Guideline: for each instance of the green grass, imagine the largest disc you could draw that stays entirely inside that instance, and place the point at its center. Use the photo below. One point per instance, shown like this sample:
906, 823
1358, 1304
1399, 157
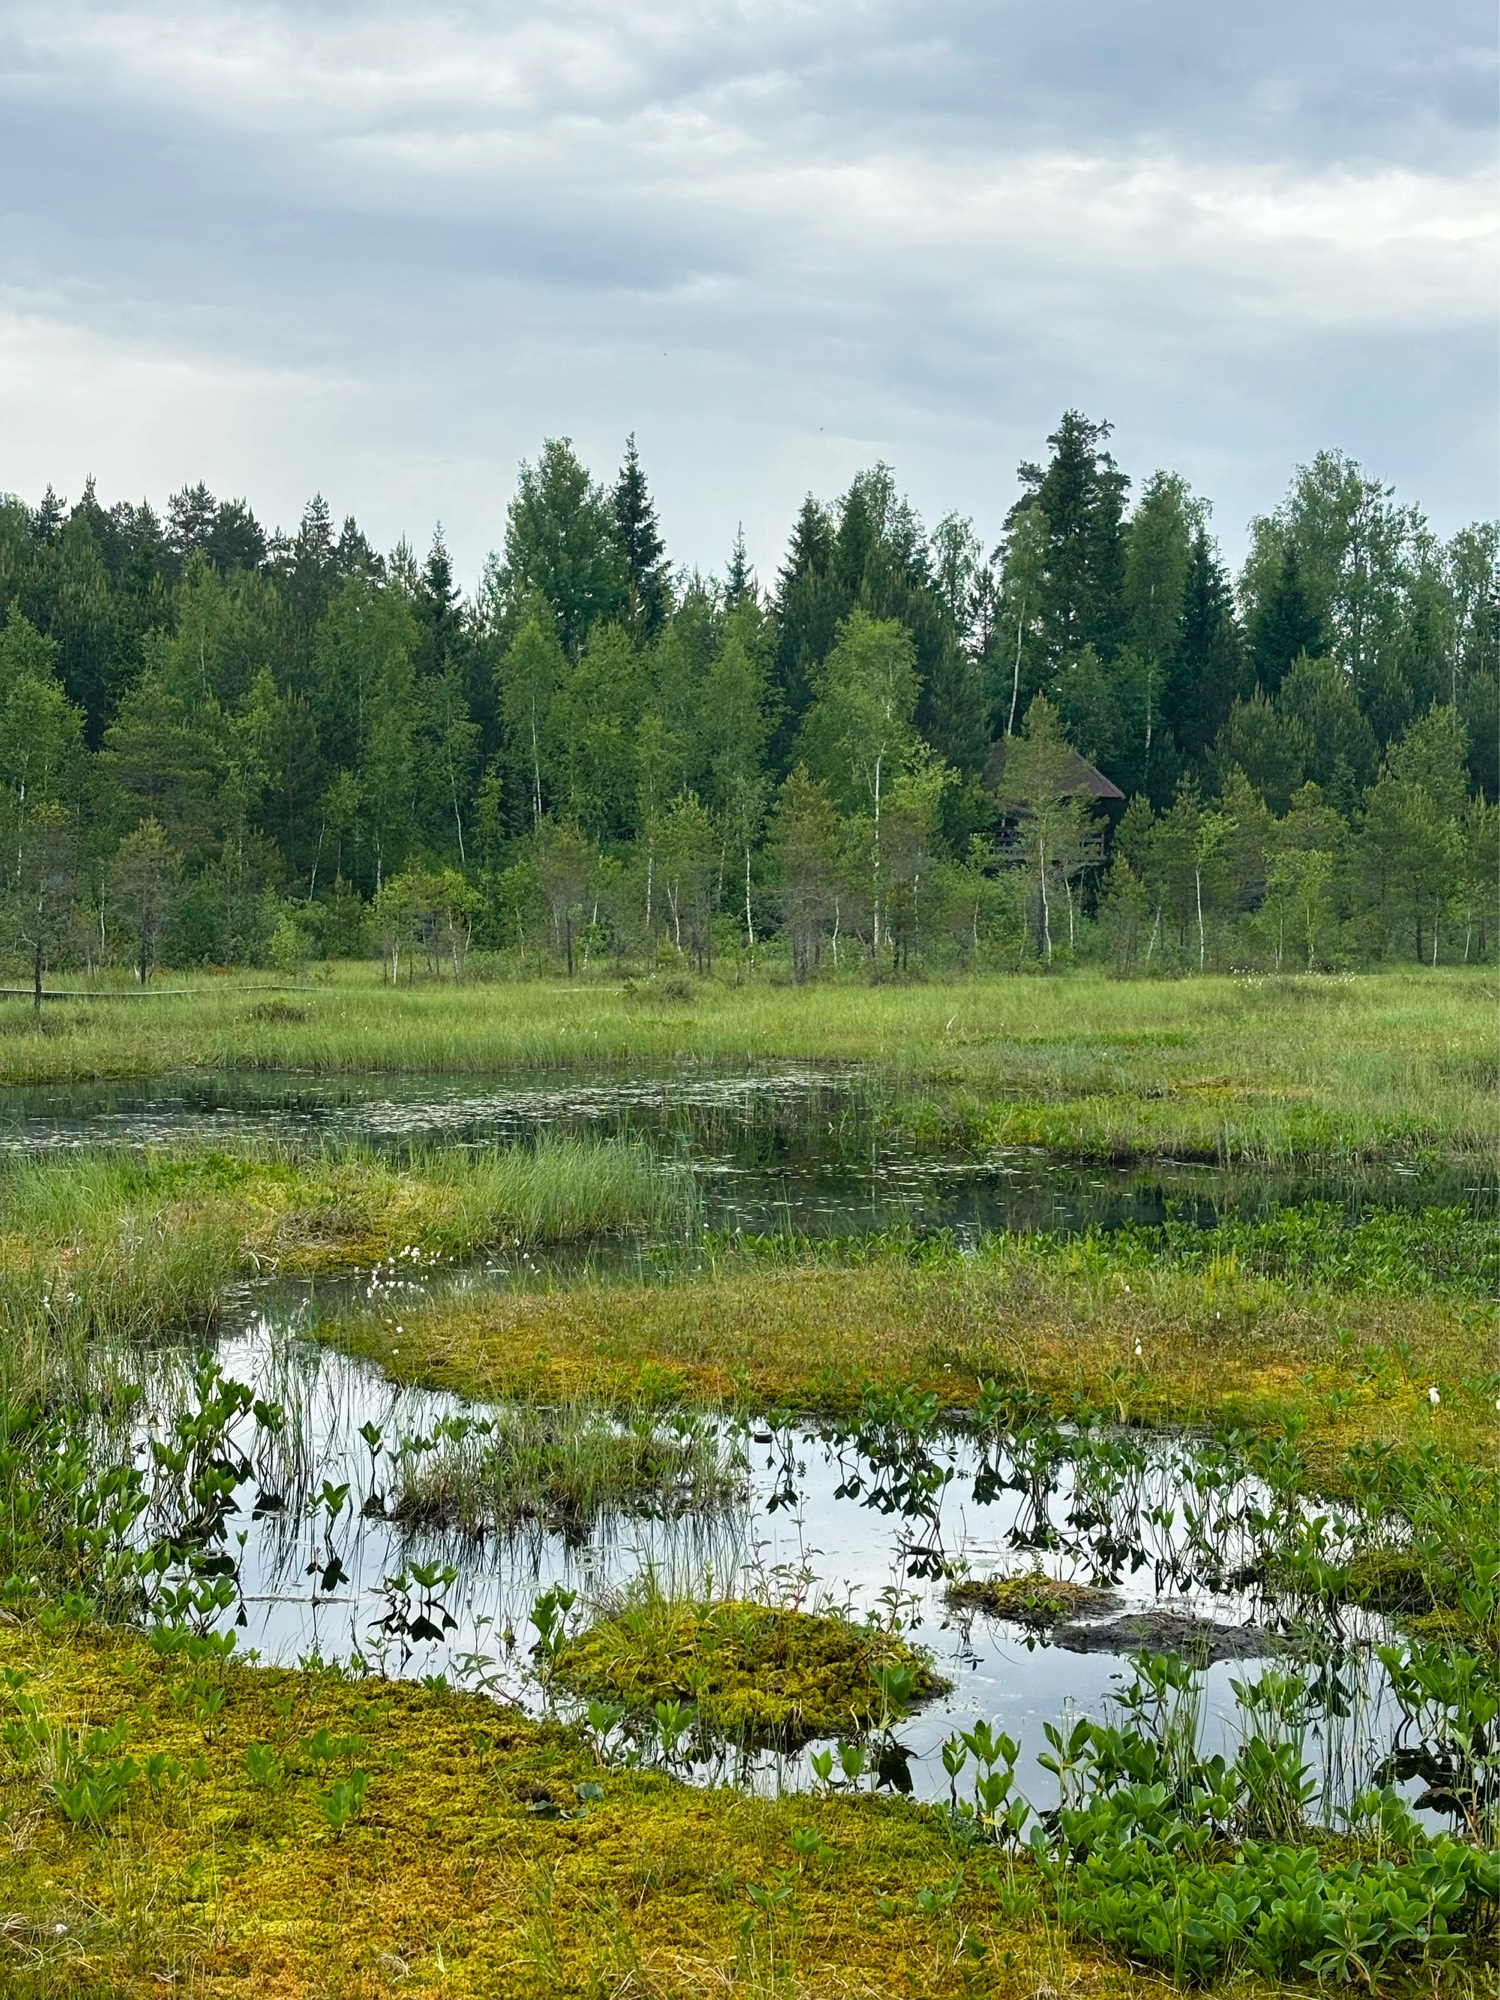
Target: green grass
137, 1244
498, 1856
1273, 1071
562, 1467
1256, 1325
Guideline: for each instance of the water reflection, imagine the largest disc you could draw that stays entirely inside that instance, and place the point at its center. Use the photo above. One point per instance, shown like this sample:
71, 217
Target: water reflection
875, 1517
795, 1149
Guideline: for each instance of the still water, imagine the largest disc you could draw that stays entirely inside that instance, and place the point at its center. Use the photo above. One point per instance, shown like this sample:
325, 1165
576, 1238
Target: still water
795, 1149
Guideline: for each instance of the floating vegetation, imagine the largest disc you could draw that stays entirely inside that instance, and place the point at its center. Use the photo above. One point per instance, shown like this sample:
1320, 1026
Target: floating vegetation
1033, 1599
757, 1672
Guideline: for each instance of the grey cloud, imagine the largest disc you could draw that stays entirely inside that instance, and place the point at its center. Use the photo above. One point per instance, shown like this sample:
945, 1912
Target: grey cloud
776, 239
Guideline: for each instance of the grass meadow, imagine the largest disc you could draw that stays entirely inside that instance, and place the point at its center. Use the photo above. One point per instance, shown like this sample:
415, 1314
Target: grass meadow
1272, 1071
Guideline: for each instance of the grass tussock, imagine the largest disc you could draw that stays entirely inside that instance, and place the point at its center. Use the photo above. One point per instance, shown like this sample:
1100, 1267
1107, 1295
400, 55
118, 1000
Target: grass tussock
754, 1672
563, 1467
135, 1243
1268, 1071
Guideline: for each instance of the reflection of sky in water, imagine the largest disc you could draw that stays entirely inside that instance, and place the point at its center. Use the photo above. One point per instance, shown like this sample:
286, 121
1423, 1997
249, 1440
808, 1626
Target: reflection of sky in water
821, 1547
795, 1148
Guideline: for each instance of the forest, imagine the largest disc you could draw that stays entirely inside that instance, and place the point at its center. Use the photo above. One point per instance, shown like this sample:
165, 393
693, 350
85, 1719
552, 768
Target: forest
221, 746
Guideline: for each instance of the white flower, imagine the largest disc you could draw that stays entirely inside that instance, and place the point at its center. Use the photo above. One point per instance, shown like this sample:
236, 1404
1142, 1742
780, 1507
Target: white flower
1138, 1348
1433, 1397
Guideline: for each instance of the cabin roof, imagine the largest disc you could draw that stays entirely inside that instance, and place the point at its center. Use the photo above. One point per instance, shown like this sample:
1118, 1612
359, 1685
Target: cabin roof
1081, 779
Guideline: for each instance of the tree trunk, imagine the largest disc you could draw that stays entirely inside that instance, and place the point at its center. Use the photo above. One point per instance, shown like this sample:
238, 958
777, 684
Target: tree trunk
1015, 679
875, 928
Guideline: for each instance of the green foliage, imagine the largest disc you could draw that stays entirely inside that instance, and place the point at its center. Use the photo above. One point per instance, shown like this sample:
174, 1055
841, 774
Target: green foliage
248, 742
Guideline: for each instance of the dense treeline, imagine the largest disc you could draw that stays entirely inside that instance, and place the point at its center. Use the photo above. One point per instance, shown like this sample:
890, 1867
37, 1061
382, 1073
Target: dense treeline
226, 747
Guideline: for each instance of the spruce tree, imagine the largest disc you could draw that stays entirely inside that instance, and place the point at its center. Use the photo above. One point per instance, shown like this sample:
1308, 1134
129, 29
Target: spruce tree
807, 618
739, 583
436, 605
642, 545
1285, 625
1207, 675
1082, 495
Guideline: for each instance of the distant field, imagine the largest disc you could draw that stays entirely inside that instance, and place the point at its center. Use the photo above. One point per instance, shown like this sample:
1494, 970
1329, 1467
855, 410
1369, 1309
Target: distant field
1264, 1070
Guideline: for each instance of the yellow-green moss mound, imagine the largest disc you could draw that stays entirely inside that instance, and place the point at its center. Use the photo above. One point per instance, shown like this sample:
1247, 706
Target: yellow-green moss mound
1028, 1600
750, 1670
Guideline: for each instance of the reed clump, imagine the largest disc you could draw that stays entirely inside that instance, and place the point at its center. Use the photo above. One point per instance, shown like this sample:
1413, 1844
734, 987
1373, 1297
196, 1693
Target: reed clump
563, 1467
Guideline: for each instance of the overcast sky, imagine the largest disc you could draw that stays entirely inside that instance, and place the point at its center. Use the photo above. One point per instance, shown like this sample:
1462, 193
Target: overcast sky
383, 251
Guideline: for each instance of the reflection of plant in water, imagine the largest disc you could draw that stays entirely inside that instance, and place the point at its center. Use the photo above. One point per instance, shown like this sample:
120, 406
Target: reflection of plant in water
1450, 1701
416, 1608
895, 1468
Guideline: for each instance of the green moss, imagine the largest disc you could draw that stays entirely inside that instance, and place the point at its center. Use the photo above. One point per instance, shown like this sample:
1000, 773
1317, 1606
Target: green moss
1029, 1600
1392, 1580
477, 1869
751, 1670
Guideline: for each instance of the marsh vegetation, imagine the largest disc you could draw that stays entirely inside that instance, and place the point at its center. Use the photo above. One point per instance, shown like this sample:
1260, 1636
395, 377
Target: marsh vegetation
557, 1522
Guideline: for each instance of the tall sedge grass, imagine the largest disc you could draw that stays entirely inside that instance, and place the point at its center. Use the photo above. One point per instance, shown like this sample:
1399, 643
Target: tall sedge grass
130, 1245
563, 1466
